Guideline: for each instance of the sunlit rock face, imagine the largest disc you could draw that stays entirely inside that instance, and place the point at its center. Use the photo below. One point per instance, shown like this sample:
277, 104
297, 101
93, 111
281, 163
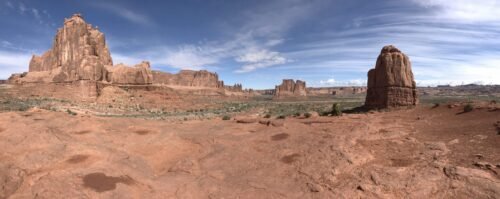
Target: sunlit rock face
79, 52
290, 88
191, 78
391, 83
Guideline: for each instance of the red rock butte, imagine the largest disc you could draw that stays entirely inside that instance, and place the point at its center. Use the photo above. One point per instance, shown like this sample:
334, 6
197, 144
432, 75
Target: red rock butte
291, 88
391, 83
80, 54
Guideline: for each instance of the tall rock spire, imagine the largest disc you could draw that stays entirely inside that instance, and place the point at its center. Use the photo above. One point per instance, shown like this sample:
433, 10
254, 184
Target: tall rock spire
391, 83
79, 52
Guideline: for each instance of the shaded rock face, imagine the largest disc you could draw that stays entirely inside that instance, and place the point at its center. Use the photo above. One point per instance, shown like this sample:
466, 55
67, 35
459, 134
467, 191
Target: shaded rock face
291, 88
121, 74
79, 52
391, 83
191, 78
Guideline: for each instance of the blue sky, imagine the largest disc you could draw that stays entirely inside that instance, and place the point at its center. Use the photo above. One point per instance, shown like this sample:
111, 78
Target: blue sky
260, 42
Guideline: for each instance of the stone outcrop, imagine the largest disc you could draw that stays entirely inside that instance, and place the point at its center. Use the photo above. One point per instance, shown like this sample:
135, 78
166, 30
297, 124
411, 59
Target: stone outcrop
391, 83
234, 88
290, 88
79, 52
138, 75
190, 78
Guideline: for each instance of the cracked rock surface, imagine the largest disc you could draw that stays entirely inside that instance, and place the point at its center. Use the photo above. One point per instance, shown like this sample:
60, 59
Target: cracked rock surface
418, 153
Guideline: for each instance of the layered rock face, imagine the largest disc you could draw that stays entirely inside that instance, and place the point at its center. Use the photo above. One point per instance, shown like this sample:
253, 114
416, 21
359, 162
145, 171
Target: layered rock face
391, 83
79, 52
121, 74
291, 88
191, 78
234, 88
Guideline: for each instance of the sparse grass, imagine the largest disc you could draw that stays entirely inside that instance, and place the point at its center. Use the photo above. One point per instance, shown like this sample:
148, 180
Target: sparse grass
336, 110
468, 108
297, 114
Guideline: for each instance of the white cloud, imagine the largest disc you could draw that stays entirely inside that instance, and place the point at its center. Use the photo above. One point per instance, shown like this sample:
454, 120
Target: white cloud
189, 57
469, 10
13, 63
259, 59
6, 44
332, 82
251, 45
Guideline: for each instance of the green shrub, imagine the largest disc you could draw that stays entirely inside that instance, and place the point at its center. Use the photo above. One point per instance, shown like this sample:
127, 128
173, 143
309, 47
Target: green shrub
70, 112
267, 116
226, 117
468, 108
281, 117
307, 115
336, 110
297, 114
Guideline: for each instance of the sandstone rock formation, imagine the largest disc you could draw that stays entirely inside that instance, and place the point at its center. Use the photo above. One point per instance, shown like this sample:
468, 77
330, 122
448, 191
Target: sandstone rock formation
79, 52
121, 74
234, 88
391, 83
192, 78
290, 88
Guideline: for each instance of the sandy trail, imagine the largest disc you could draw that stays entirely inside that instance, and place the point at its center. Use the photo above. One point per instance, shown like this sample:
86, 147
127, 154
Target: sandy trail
418, 153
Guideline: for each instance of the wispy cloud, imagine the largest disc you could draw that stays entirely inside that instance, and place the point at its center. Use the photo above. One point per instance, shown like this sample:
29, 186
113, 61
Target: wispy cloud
125, 13
469, 10
9, 4
252, 45
331, 82
259, 59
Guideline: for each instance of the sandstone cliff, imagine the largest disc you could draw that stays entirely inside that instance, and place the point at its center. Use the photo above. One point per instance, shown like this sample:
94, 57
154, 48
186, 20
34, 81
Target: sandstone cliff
79, 51
391, 83
191, 78
290, 88
121, 74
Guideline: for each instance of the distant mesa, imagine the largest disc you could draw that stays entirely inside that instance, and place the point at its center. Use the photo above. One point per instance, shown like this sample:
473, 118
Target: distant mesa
290, 88
391, 83
80, 53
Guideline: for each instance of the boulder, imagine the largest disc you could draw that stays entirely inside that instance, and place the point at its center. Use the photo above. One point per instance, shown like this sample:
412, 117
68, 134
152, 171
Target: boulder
290, 88
391, 83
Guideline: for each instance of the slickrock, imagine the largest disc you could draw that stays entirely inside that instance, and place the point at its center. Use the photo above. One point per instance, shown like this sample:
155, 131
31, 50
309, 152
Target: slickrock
391, 83
290, 88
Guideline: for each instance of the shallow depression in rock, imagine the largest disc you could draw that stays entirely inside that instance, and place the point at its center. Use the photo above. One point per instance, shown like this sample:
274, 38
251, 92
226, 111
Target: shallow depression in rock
100, 182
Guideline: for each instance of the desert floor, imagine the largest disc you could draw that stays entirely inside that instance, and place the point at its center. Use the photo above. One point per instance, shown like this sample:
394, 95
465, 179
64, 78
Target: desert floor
427, 152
